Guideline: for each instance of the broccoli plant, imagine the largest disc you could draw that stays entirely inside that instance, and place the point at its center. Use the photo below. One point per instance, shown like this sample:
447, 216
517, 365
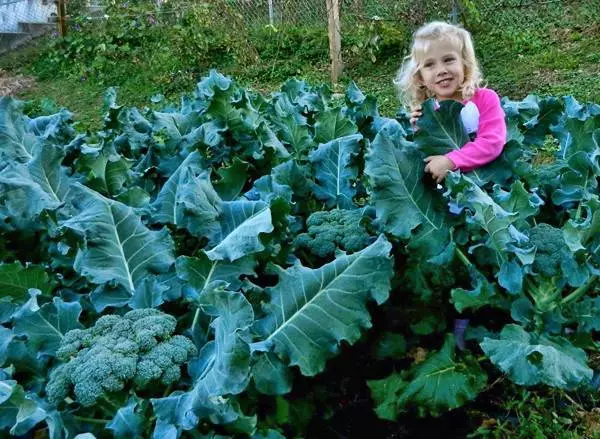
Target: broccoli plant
551, 249
337, 228
138, 349
174, 206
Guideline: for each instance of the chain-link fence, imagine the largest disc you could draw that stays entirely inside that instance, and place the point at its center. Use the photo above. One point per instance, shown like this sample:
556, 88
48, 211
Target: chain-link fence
22, 20
16, 15
314, 12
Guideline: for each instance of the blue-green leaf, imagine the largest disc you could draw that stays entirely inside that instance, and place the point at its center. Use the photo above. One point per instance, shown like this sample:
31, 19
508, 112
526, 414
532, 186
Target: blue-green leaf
116, 247
406, 206
313, 310
336, 170
16, 280
45, 326
127, 423
530, 359
241, 223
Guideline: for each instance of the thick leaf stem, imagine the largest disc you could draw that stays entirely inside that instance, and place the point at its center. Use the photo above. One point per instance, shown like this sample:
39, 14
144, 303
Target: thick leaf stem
578, 214
92, 420
463, 258
579, 291
196, 316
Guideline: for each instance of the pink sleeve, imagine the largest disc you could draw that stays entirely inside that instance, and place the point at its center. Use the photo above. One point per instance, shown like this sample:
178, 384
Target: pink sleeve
491, 134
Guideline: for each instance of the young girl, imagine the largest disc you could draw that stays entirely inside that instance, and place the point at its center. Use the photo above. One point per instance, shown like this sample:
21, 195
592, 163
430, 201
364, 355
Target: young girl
442, 64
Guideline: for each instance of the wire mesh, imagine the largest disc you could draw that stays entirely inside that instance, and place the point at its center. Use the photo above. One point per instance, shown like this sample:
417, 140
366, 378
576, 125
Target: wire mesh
20, 16
314, 12
21, 20
277, 12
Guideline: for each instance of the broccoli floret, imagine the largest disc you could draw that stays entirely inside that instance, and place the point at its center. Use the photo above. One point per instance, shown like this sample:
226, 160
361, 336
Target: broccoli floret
59, 385
161, 363
551, 247
337, 228
137, 348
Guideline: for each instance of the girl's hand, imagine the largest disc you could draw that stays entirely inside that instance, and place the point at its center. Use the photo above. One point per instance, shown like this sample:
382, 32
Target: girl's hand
414, 116
438, 166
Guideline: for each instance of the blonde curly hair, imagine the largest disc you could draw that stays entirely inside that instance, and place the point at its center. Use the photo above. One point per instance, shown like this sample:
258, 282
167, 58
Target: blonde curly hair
408, 80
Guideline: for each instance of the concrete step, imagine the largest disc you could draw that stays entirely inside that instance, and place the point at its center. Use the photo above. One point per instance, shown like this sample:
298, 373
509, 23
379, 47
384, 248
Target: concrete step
12, 40
36, 28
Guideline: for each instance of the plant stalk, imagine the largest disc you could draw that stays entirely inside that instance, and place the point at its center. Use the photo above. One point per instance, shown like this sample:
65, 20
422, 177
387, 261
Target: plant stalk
463, 258
579, 291
92, 420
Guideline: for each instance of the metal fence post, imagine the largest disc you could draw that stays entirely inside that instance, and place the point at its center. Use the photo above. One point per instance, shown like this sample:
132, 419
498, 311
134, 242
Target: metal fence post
271, 13
454, 13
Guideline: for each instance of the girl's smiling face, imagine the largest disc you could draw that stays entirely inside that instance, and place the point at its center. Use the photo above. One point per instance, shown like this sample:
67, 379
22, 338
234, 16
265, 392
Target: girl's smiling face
442, 70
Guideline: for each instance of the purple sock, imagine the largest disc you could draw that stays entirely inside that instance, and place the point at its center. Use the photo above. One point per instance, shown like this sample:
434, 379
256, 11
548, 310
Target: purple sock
596, 380
460, 325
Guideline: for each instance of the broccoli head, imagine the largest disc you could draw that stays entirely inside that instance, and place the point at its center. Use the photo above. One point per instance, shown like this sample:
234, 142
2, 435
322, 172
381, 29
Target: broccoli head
137, 348
337, 228
551, 248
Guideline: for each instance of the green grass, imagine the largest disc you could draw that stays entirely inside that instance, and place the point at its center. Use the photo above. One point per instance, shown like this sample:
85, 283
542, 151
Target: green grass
551, 51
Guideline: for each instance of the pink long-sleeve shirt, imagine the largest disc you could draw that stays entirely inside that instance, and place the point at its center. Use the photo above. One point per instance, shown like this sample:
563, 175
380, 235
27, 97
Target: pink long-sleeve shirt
491, 133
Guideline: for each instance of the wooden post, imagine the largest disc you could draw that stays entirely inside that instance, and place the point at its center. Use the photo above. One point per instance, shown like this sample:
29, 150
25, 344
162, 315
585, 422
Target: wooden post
335, 39
61, 15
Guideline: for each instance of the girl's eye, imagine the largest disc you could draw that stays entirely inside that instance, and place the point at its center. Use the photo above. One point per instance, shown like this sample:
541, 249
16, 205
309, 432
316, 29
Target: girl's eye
448, 60
428, 64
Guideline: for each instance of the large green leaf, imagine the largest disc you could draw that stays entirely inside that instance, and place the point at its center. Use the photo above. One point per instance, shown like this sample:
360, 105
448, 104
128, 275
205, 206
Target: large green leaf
26, 189
579, 180
385, 395
518, 200
575, 136
297, 99
439, 384
295, 134
16, 142
442, 383
223, 365
200, 271
105, 169
537, 124
406, 206
116, 246
16, 280
332, 124
271, 376
188, 200
17, 410
485, 213
313, 310
287, 180
585, 314
232, 180
336, 170
241, 223
127, 423
441, 130
530, 359
483, 293
6, 337
45, 326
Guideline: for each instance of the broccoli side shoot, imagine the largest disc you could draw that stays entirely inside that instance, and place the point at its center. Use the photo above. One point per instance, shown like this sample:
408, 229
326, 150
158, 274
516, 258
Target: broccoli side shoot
551, 249
138, 348
337, 228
